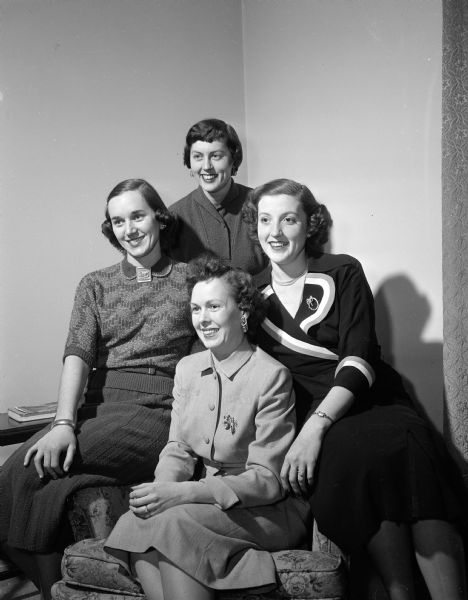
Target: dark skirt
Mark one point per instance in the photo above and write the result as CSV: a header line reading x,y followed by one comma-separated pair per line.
x,y
119,445
386,463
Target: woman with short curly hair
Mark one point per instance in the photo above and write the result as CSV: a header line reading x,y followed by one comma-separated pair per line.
x,y
319,221
246,295
233,416
210,216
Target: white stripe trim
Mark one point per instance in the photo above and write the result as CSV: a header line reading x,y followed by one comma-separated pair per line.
x,y
359,364
328,286
297,345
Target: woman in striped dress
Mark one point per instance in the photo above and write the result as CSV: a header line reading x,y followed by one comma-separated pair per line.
x,y
380,479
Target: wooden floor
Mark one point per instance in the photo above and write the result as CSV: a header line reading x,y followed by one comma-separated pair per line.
x,y
17,588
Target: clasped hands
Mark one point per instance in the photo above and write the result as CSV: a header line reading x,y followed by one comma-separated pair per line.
x,y
151,498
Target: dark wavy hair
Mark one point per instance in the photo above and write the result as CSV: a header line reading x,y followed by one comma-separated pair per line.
x,y
247,297
318,218
213,130
153,199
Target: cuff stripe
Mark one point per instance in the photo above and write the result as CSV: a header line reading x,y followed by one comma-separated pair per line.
x,y
359,364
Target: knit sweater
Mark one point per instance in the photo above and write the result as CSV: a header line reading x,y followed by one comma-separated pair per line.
x,y
118,322
219,230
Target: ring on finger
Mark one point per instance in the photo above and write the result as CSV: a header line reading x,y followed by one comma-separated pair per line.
x,y
146,509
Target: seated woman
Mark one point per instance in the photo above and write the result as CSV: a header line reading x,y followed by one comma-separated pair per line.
x,y
211,216
233,411
380,478
129,327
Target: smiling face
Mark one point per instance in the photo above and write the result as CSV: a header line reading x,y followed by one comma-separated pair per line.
x,y
216,317
136,228
282,230
212,164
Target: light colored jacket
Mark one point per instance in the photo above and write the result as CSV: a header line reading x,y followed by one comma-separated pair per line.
x,y
238,416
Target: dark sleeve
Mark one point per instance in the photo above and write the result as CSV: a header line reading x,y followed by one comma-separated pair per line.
x,y
83,331
189,243
358,350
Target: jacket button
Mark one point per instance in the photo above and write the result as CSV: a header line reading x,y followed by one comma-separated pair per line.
x,y
211,406
206,439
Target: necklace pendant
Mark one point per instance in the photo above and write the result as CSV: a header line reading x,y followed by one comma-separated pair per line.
x,y
143,274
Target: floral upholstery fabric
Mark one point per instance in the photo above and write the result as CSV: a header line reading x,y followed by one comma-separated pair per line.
x,y
301,575
89,573
88,564
67,591
93,512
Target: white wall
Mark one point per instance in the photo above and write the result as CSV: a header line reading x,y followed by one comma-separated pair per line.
x,y
345,96
92,92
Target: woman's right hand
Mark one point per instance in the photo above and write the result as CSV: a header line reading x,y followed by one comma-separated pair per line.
x,y
49,450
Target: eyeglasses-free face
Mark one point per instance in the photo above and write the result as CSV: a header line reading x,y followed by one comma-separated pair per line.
x,y
282,229
211,162
135,226
216,317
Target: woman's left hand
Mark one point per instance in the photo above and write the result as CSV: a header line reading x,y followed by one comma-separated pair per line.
x,y
297,473
148,499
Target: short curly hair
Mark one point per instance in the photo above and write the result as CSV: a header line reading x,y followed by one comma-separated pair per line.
x,y
213,130
168,234
247,297
318,218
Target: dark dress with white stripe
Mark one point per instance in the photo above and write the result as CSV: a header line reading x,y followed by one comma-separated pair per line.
x,y
382,461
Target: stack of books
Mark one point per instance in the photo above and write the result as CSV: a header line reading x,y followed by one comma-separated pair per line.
x,y
33,413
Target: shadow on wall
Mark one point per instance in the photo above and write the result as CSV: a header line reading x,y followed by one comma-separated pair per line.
x,y
401,314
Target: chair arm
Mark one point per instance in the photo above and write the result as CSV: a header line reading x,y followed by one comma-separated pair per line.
x,y
94,511
320,543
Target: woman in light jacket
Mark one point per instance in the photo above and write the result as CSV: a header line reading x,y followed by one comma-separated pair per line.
x,y
233,414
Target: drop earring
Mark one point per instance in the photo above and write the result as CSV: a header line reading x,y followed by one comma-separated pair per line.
x,y
243,322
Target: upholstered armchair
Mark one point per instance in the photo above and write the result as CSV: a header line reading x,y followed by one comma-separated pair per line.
x,y
89,573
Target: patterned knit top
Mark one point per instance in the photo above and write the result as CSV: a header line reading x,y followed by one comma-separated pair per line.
x,y
118,322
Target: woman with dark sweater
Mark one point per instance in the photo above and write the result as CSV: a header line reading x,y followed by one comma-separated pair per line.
x,y
210,217
129,327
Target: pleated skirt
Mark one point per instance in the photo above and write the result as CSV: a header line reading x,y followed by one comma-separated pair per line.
x,y
386,463
220,549
119,445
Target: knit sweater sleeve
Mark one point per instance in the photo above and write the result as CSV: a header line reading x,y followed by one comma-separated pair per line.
x,y
83,331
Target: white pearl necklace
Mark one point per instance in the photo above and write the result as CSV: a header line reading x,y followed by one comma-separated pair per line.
x,y
289,281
